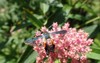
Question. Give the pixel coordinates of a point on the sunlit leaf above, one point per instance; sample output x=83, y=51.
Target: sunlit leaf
x=44, y=7
x=31, y=58
x=90, y=29
x=93, y=55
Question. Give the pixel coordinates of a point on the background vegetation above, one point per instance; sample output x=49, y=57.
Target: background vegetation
x=19, y=19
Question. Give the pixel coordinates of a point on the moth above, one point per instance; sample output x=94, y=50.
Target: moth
x=48, y=48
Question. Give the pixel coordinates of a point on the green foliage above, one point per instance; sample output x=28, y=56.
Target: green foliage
x=19, y=19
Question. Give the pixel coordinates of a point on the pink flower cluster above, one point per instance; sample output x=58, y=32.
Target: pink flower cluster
x=73, y=45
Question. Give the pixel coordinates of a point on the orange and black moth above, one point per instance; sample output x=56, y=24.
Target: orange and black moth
x=48, y=47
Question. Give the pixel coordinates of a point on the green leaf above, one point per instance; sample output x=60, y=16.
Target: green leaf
x=50, y=1
x=78, y=5
x=34, y=20
x=98, y=61
x=57, y=17
x=67, y=9
x=90, y=29
x=95, y=49
x=77, y=16
x=2, y=59
x=97, y=42
x=31, y=58
x=93, y=55
x=44, y=7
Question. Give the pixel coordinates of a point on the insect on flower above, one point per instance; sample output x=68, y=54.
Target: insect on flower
x=62, y=43
x=48, y=48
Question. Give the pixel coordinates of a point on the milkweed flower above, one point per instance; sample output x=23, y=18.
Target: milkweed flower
x=73, y=45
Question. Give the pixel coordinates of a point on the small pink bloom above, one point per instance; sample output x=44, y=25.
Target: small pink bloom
x=44, y=29
x=66, y=26
x=55, y=25
x=38, y=33
x=39, y=60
